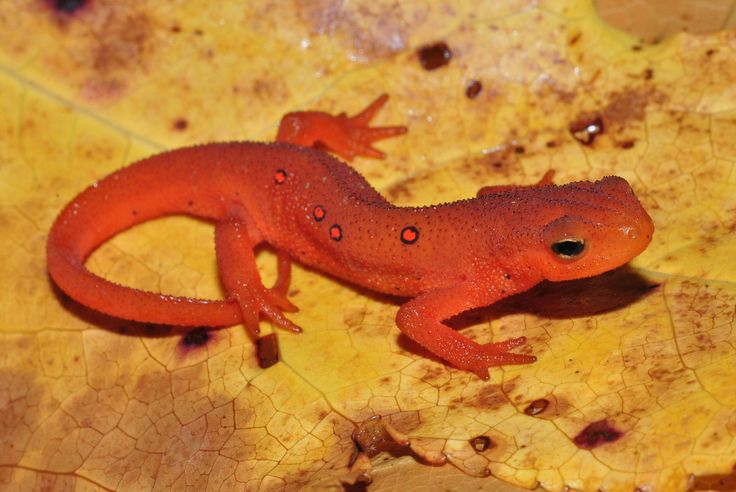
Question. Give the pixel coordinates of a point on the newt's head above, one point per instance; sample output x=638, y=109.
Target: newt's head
x=590, y=228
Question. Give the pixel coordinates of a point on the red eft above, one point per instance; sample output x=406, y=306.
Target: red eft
x=311, y=207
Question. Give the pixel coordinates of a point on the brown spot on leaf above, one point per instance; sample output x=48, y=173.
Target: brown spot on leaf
x=68, y=6
x=400, y=190
x=628, y=105
x=481, y=443
x=124, y=41
x=489, y=397
x=586, y=128
x=596, y=434
x=536, y=407
x=180, y=124
x=434, y=56
x=267, y=350
x=354, y=318
x=196, y=338
x=473, y=89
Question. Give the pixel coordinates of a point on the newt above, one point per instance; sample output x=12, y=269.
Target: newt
x=315, y=209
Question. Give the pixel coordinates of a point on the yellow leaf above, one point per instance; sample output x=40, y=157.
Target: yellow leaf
x=633, y=386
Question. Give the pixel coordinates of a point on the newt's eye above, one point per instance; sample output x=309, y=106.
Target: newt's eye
x=568, y=248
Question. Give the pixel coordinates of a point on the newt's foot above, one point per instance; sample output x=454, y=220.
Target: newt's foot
x=268, y=303
x=347, y=136
x=497, y=354
x=360, y=135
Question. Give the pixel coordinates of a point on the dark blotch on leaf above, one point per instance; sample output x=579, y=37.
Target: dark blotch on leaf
x=181, y=124
x=536, y=407
x=585, y=130
x=196, y=338
x=68, y=6
x=473, y=89
x=481, y=443
x=596, y=434
x=267, y=350
x=434, y=56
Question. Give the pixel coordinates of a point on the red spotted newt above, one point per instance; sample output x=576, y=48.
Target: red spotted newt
x=311, y=207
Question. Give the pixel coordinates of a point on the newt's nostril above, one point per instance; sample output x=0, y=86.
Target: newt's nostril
x=629, y=232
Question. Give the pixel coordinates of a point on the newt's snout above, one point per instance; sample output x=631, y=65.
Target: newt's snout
x=638, y=227
x=602, y=226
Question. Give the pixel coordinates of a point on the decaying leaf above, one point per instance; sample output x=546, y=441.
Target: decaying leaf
x=634, y=383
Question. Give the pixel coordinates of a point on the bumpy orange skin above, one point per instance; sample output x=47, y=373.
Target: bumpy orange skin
x=313, y=208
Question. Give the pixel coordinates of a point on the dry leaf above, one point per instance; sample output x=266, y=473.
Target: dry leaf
x=634, y=383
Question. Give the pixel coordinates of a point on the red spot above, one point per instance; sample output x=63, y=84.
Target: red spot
x=595, y=434
x=434, y=56
x=409, y=235
x=336, y=232
x=473, y=89
x=319, y=213
x=536, y=407
x=280, y=176
x=267, y=350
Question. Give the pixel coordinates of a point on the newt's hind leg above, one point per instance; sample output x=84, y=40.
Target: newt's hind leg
x=347, y=136
x=490, y=190
x=281, y=286
x=236, y=262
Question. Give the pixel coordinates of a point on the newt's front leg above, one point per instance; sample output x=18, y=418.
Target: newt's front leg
x=421, y=320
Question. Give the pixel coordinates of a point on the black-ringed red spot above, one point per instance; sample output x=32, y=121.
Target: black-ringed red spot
x=335, y=232
x=280, y=176
x=319, y=213
x=409, y=235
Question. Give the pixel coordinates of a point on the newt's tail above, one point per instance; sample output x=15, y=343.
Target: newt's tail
x=160, y=185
